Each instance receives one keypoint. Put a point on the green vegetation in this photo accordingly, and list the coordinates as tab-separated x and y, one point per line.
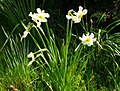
61	50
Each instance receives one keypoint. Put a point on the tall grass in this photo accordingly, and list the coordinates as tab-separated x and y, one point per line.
16	74
16	10
62	66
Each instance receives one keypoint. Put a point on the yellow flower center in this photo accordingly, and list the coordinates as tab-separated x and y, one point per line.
40	16
80	15
87	40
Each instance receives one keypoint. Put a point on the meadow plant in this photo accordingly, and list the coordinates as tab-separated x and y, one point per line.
59	70
77	64
16	75
16	10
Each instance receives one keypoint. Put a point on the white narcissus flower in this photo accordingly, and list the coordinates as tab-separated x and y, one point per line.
80	14
88	39
31	55
76	16
35	19
42	15
39	17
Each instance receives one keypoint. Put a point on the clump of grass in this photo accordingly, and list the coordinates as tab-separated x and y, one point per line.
16	73
88	64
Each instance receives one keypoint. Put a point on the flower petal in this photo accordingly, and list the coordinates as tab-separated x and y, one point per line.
68	17
47	15
30	14
85	11
91	35
80	8
38	10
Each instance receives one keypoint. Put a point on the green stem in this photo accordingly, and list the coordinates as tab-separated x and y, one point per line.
68	38
41	37
35	41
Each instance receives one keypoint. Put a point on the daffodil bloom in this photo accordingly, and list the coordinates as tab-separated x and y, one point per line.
88	39
39	17
31	55
76	16
42	15
80	14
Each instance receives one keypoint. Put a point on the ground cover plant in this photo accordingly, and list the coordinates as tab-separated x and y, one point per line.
85	58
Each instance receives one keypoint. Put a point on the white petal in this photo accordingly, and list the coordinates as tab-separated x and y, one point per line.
76	13
80	38
34	17
94	39
83	38
91	35
76	19
43	11
47	15
30	14
85	11
83	35
89	44
38	10
79	12
38	24
44	20
80	8
68	17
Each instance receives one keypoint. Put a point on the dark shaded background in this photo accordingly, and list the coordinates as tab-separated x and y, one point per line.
59	8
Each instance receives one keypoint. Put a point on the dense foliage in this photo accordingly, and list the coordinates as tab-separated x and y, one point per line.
80	53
